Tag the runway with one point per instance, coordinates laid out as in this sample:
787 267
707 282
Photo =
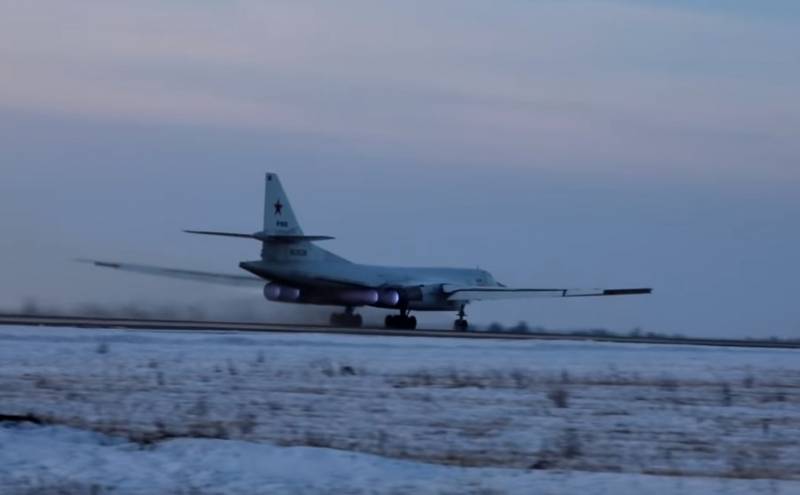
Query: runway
236 326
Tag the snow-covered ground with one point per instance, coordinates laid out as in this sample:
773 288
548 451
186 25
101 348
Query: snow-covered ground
219 413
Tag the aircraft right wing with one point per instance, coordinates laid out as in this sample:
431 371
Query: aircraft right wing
198 276
459 293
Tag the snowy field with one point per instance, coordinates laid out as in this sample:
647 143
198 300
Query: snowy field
126 412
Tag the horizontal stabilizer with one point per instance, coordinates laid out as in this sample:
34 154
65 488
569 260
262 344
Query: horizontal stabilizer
459 293
296 238
264 237
221 234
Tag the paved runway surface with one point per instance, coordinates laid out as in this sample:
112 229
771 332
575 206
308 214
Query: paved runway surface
237 326
233 326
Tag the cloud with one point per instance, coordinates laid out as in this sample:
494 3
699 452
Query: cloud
654 89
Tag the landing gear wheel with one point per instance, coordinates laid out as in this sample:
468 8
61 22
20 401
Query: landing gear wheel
347 319
461 325
401 322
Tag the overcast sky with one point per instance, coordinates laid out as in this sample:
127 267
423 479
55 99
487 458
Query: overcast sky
554 143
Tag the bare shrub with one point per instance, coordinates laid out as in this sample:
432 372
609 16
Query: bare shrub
381 438
776 396
459 380
330 370
325 367
752 463
200 408
520 378
232 370
247 423
569 444
726 395
668 383
317 439
102 348
559 397
559 450
421 378
210 429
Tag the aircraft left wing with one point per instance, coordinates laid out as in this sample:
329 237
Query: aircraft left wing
459 293
198 276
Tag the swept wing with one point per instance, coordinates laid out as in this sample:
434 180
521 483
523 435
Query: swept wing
461 293
198 276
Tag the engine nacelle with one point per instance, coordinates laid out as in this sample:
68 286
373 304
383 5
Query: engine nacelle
414 296
426 297
411 294
358 297
388 297
281 293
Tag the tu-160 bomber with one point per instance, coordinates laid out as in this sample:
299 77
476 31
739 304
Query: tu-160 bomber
293 269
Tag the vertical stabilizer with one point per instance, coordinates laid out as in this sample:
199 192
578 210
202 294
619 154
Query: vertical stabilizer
279 216
279 220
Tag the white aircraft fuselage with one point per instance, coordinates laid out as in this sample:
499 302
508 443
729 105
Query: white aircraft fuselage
419 287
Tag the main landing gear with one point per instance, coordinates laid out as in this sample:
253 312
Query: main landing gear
461 325
401 321
346 319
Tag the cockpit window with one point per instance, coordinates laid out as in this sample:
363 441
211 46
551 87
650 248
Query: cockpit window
485 279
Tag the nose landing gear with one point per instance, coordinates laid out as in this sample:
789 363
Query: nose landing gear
346 319
461 325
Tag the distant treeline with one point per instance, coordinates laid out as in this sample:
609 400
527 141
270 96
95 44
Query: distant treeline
634 334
